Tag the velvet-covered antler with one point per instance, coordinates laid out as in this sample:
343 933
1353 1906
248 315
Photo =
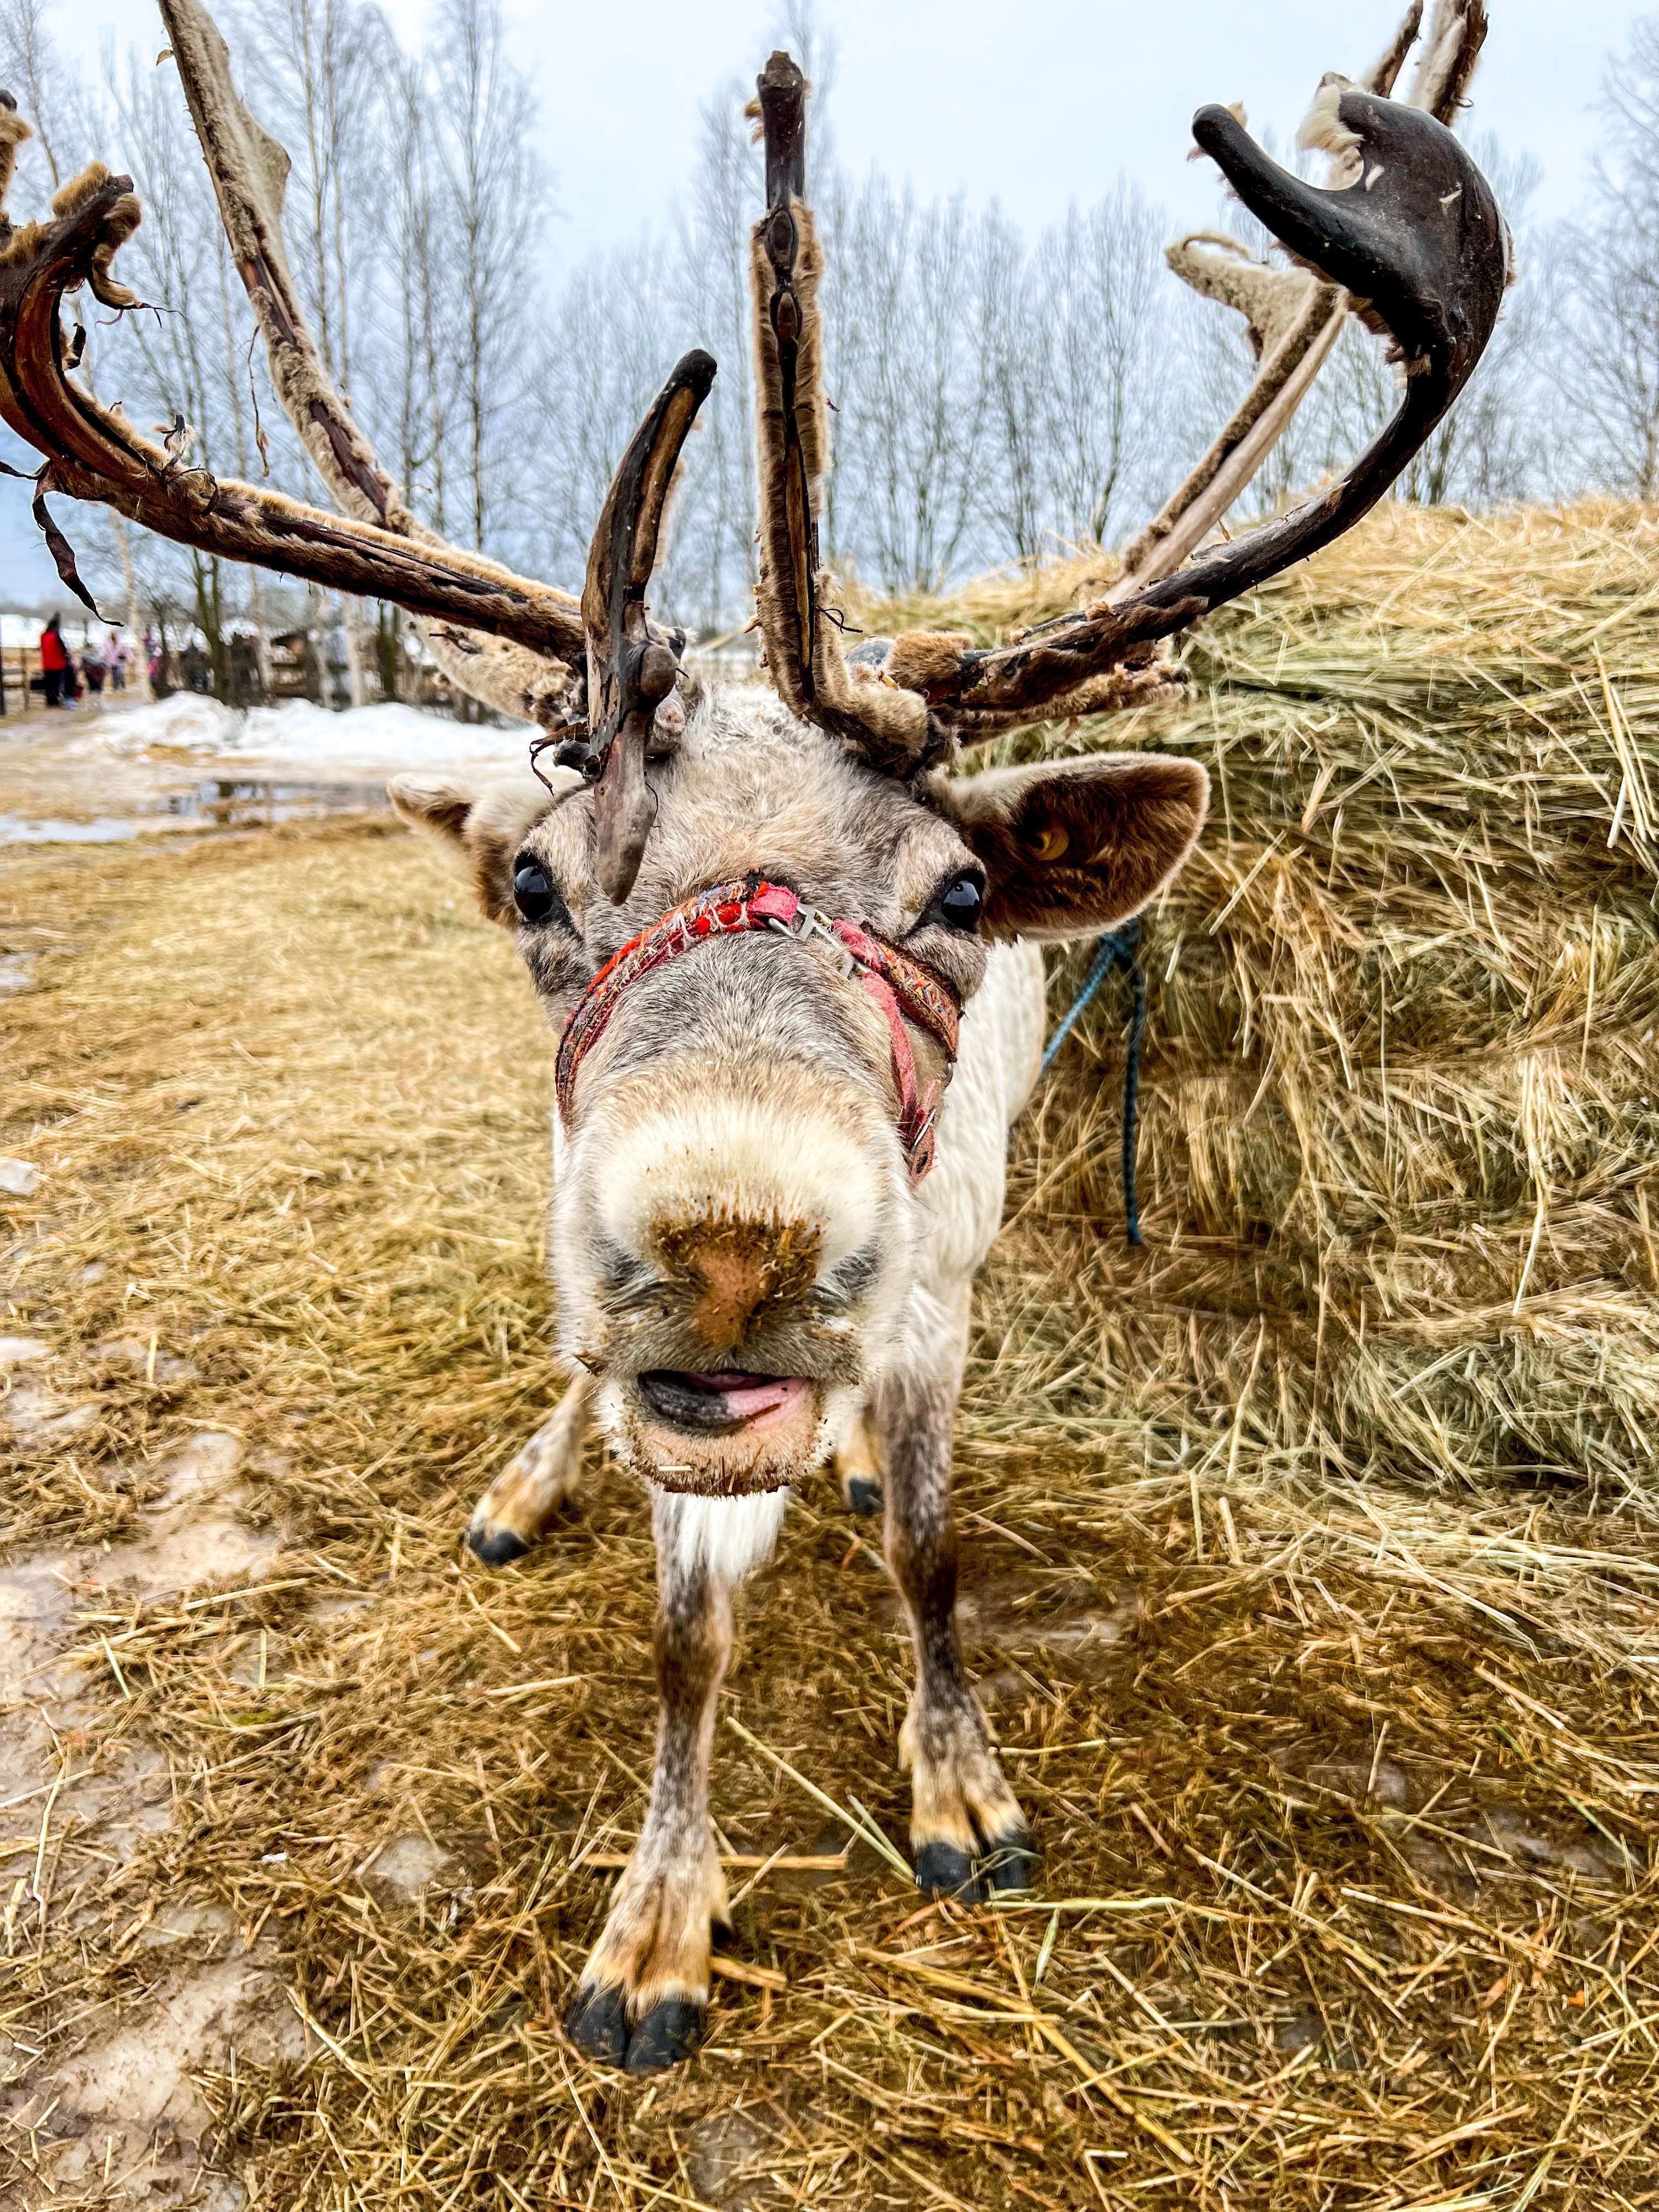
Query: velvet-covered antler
92 452
1293 320
1408 235
1418 241
631 663
249 168
799 623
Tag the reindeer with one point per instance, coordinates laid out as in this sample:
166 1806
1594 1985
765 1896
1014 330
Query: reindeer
791 958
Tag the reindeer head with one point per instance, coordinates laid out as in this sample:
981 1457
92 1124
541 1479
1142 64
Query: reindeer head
756 928
741 1210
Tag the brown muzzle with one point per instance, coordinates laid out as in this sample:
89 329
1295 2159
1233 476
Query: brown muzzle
740 1274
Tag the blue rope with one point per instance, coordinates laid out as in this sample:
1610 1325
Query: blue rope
1118 948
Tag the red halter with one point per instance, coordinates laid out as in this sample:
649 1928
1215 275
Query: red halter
900 986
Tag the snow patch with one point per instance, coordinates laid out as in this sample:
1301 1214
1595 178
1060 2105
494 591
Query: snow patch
300 735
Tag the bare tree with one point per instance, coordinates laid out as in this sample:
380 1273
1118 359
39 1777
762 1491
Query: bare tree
1606 289
32 72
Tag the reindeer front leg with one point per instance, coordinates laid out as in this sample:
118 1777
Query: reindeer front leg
533 1484
968 1833
644 1989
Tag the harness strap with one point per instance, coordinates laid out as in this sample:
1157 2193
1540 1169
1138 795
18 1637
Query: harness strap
900 987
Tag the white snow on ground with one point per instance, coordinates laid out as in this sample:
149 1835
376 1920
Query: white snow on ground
299 736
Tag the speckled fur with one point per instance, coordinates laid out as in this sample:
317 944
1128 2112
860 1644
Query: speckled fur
731 1193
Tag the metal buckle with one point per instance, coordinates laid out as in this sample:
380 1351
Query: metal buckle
809 922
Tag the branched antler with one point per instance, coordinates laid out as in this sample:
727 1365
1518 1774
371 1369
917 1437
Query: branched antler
1408 235
92 452
1291 348
249 169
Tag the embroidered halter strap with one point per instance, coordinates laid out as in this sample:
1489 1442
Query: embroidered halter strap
900 986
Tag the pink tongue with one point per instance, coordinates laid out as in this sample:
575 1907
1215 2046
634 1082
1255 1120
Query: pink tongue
746 1395
764 1397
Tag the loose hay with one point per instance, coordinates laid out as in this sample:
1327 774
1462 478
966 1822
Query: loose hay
1309 1563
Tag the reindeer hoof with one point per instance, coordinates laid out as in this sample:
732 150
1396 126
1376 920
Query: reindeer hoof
669 2032
863 1497
496 1547
597 2023
942 1870
1011 1861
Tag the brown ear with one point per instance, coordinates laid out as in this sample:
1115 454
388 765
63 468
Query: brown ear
489 825
430 803
1081 845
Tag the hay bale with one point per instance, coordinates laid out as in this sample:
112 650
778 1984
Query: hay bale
1400 1145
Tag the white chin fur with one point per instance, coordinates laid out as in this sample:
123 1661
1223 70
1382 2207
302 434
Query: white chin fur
728 1536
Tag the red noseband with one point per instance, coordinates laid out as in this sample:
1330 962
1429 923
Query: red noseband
900 986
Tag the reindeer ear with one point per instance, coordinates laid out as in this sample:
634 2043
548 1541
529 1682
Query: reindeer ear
429 803
1080 846
490 825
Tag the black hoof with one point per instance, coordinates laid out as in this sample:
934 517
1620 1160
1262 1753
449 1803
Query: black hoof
496 1547
864 1497
943 1871
597 2023
669 2032
1011 1861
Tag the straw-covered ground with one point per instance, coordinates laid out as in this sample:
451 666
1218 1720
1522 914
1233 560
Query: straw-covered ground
1310 1561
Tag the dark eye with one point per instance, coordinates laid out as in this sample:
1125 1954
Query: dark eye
960 902
532 889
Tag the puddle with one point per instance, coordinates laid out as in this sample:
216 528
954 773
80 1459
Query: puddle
37 1417
208 802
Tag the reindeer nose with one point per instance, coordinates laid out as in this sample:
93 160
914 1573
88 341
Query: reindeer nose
740 1272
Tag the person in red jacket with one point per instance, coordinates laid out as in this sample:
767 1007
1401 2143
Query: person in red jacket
54 661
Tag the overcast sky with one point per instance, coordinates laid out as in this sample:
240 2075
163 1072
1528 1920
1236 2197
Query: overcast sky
946 94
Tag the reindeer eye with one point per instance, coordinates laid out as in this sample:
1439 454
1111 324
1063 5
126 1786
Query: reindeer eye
532 889
960 903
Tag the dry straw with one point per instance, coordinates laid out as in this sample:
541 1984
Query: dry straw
1309 1554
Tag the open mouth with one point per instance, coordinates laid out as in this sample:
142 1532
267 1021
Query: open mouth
716 1405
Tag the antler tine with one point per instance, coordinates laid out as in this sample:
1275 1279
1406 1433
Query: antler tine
94 452
1418 239
875 710
1456 32
1288 372
1382 72
791 428
250 169
1293 322
631 665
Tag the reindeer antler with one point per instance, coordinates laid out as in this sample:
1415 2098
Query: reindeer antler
1291 348
518 644
631 664
1409 237
799 623
249 168
1418 239
94 452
